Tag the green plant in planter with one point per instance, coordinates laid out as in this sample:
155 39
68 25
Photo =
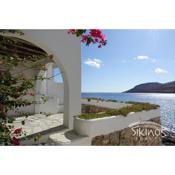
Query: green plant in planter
124 111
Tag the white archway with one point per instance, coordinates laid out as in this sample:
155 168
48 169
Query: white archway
66 51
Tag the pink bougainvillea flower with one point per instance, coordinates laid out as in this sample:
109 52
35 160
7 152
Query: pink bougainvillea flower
72 31
97 33
92 36
32 94
15 141
18 131
84 38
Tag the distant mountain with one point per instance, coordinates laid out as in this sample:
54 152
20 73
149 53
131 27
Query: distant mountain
154 87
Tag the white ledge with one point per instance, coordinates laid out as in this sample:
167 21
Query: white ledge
105 125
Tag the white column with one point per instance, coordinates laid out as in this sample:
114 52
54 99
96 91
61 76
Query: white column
49 67
41 84
49 75
40 89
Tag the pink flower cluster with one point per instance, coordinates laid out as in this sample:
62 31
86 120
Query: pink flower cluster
72 31
93 36
16 134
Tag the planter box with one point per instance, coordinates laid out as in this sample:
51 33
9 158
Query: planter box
105 125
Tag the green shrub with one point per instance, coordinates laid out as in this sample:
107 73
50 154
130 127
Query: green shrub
100 99
112 100
124 111
88 99
93 115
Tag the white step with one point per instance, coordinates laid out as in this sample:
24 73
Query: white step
68 137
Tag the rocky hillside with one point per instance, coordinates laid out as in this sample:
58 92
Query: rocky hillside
154 87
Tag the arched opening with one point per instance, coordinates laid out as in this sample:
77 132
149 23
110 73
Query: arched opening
51 87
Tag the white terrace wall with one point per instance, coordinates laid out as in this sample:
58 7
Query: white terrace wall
106 125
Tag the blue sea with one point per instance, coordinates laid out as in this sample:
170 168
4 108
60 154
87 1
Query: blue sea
166 102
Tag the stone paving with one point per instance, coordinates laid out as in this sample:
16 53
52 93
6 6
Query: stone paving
38 122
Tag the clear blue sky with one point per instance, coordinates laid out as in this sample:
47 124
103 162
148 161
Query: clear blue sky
130 57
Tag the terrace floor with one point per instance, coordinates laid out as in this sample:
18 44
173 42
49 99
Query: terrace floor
38 122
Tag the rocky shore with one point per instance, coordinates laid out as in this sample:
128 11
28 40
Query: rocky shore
168 138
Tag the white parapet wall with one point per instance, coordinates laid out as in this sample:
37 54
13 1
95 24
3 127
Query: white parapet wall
54 100
106 125
51 106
